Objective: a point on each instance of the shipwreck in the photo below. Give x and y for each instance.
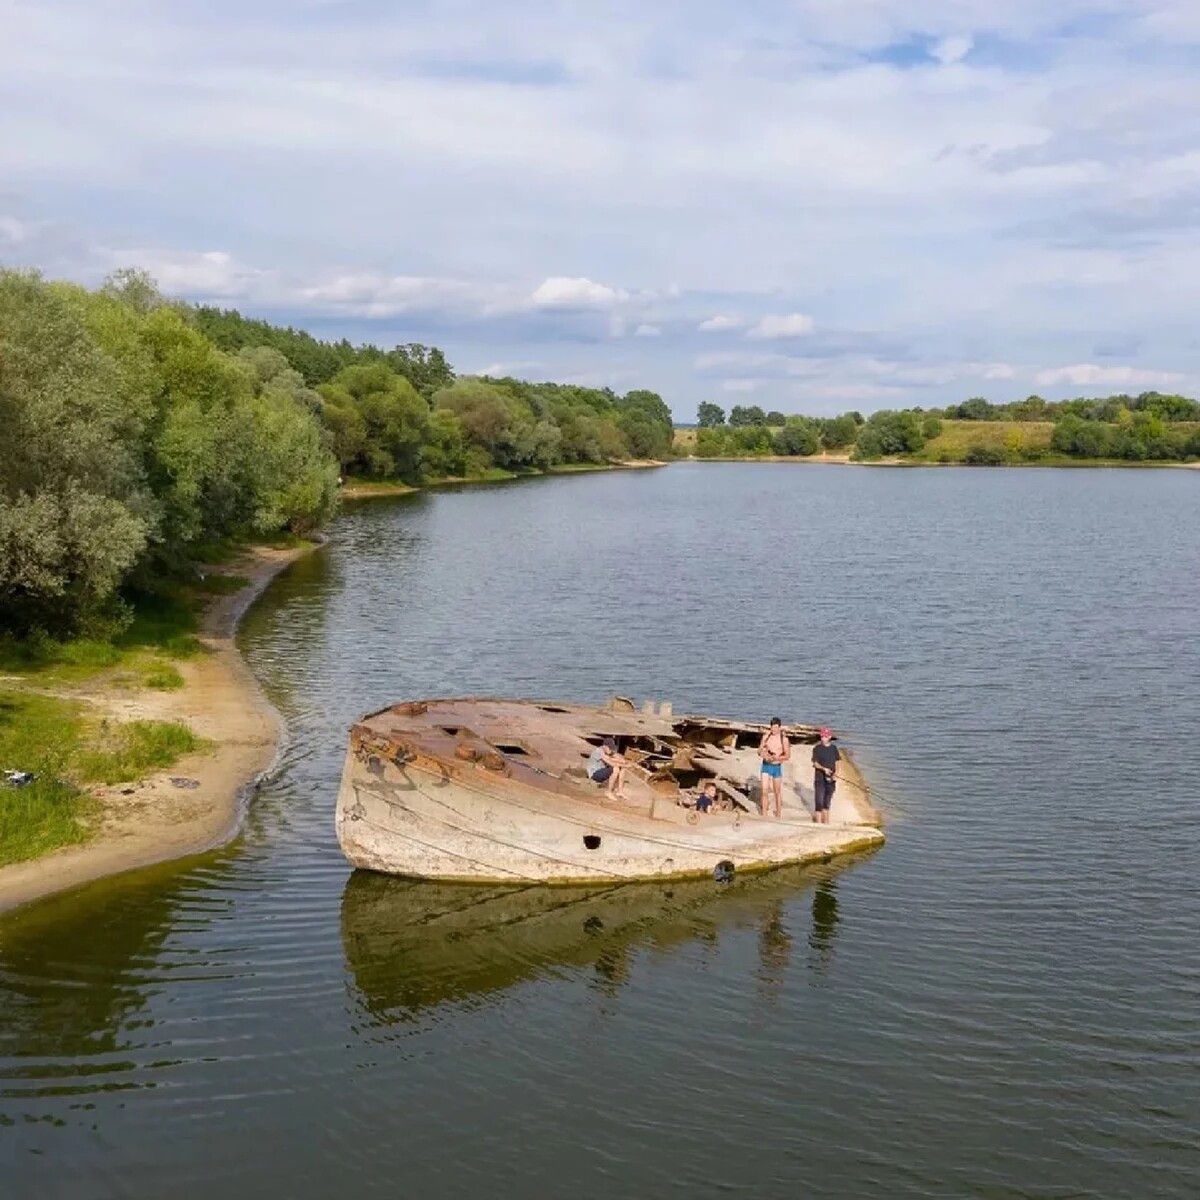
(497, 791)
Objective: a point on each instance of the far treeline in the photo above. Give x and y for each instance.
(1151, 427)
(137, 431)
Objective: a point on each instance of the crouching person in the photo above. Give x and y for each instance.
(607, 767)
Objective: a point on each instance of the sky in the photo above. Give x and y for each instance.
(811, 205)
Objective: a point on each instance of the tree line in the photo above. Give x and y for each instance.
(137, 429)
(1148, 427)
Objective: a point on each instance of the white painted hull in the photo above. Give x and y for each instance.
(470, 825)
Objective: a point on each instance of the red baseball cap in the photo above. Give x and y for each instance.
(826, 731)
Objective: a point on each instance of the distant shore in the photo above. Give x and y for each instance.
(844, 460)
(362, 489)
(153, 820)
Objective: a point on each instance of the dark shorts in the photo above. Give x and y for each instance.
(823, 792)
(703, 803)
(603, 775)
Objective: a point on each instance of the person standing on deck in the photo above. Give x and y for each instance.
(825, 757)
(775, 750)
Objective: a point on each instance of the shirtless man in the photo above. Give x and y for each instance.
(605, 765)
(775, 750)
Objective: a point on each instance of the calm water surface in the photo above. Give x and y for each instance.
(1003, 1002)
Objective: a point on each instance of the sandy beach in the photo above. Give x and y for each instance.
(154, 820)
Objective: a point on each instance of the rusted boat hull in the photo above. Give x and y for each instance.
(404, 809)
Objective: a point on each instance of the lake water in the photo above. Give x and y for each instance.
(1003, 1002)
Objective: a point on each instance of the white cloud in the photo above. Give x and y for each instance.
(498, 370)
(370, 294)
(1001, 208)
(743, 385)
(995, 370)
(790, 325)
(559, 291)
(1091, 375)
(953, 49)
(205, 274)
(720, 323)
(647, 331)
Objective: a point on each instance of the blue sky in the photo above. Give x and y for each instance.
(812, 205)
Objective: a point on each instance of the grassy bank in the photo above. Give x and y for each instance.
(53, 721)
(69, 747)
(1012, 440)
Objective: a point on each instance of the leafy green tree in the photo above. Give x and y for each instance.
(712, 442)
(837, 432)
(709, 415)
(444, 454)
(797, 437)
(75, 511)
(775, 418)
(742, 416)
(396, 419)
(492, 420)
(1083, 439)
(646, 424)
(751, 440)
(889, 432)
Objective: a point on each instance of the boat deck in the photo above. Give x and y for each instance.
(545, 747)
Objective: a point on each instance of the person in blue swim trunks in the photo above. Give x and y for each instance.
(775, 750)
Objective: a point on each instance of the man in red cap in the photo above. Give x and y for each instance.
(825, 758)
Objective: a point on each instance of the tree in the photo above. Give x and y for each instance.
(396, 419)
(493, 421)
(838, 431)
(646, 422)
(888, 432)
(775, 418)
(1083, 439)
(798, 436)
(710, 416)
(741, 417)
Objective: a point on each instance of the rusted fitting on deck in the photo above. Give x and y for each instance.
(465, 752)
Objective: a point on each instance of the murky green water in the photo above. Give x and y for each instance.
(1003, 1002)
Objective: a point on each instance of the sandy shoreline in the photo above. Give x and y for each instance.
(155, 821)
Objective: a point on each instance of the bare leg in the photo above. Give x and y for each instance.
(763, 793)
(777, 788)
(619, 784)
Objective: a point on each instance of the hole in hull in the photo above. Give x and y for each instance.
(591, 841)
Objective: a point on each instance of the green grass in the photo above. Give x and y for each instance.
(126, 751)
(53, 739)
(39, 734)
(162, 677)
(1016, 440)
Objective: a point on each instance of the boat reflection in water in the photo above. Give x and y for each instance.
(412, 945)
